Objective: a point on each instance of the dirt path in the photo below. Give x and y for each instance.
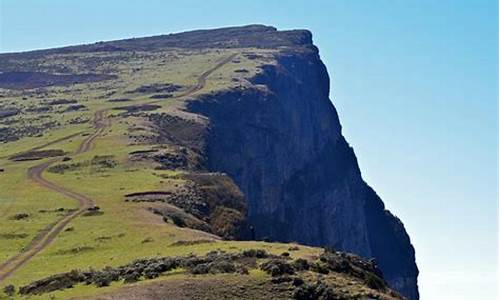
(84, 202)
(51, 231)
(202, 79)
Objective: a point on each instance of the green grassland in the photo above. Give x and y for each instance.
(56, 120)
(125, 230)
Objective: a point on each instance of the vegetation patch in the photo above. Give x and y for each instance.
(227, 223)
(36, 155)
(93, 211)
(180, 218)
(161, 96)
(9, 290)
(149, 196)
(103, 238)
(39, 109)
(137, 270)
(61, 101)
(103, 162)
(75, 250)
(79, 120)
(9, 112)
(190, 243)
(171, 158)
(9, 134)
(203, 199)
(277, 267)
(60, 210)
(75, 107)
(174, 130)
(286, 274)
(13, 236)
(28, 80)
(119, 100)
(98, 163)
(156, 88)
(62, 168)
(20, 216)
(138, 108)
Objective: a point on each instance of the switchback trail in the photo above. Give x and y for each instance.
(35, 173)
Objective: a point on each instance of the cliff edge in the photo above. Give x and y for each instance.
(179, 144)
(281, 141)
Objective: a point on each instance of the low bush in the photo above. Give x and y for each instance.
(258, 253)
(300, 265)
(9, 290)
(277, 267)
(20, 216)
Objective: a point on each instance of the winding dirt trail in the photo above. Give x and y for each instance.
(35, 173)
(202, 79)
(50, 232)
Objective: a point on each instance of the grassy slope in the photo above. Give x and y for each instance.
(117, 236)
(126, 230)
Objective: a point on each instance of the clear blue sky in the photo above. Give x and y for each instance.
(415, 84)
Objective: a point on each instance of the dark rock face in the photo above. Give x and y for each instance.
(282, 144)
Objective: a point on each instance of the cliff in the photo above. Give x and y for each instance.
(186, 142)
(281, 142)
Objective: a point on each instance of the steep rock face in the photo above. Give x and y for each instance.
(282, 144)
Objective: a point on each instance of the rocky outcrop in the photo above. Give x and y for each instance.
(281, 142)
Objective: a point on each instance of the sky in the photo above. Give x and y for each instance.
(415, 84)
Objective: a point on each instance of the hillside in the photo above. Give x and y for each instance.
(154, 167)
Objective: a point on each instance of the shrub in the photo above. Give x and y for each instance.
(243, 270)
(277, 267)
(178, 221)
(53, 283)
(200, 269)
(102, 279)
(62, 168)
(104, 161)
(9, 290)
(131, 277)
(319, 267)
(222, 266)
(314, 291)
(305, 292)
(281, 279)
(257, 253)
(20, 216)
(300, 264)
(374, 282)
(297, 281)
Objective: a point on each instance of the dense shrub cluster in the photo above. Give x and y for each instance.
(147, 268)
(277, 267)
(352, 265)
(316, 291)
(98, 163)
(283, 270)
(213, 262)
